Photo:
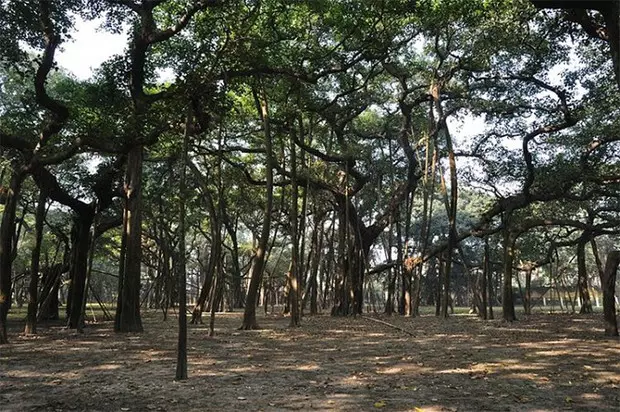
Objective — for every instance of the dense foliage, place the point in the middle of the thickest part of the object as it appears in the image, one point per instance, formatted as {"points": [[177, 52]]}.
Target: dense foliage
{"points": [[322, 155]]}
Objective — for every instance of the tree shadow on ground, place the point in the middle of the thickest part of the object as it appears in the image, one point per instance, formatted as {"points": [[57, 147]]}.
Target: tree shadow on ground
{"points": [[544, 362]]}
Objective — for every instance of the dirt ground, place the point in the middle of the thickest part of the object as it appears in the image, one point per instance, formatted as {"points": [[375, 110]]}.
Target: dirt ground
{"points": [[543, 362]]}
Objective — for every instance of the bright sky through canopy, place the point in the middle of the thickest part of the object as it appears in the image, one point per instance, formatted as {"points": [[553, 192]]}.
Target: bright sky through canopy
{"points": [[90, 46]]}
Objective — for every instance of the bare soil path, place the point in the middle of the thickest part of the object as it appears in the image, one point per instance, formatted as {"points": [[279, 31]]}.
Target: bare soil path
{"points": [[540, 363]]}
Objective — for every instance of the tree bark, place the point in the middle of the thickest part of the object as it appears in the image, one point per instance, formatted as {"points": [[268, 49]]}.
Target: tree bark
{"points": [[49, 302], [528, 292], [33, 288], [79, 267], [216, 247], [7, 230], [508, 307], [582, 277], [483, 283], [130, 320], [181, 370], [249, 314], [293, 276], [489, 275], [608, 283], [317, 245]]}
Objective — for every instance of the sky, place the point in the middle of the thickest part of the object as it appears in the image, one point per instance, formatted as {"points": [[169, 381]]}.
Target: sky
{"points": [[89, 47]]}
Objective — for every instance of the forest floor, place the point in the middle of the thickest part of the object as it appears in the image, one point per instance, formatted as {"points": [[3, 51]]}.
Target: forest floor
{"points": [[541, 362]]}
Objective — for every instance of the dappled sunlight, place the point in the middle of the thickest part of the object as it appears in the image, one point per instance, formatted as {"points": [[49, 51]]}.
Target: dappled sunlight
{"points": [[308, 367], [328, 363]]}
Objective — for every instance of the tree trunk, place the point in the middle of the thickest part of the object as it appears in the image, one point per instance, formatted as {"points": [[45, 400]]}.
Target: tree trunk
{"points": [[293, 276], [483, 283], [249, 314], [7, 230], [508, 306], [440, 273], [528, 292], [49, 302], [214, 257], [317, 247], [130, 320], [181, 370], [489, 274], [31, 317], [237, 292], [451, 202], [341, 300], [121, 273], [608, 282], [582, 278], [78, 268]]}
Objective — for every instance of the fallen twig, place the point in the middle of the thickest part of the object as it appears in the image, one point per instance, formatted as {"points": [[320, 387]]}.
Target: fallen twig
{"points": [[388, 324]]}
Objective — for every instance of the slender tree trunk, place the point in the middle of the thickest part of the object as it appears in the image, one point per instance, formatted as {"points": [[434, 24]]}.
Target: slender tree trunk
{"points": [[440, 274], [489, 275], [7, 230], [528, 292], [391, 280], [582, 278], [317, 247], [249, 314], [121, 273], [508, 306], [447, 272], [452, 201], [293, 275], [130, 320], [608, 282], [483, 312], [216, 247], [341, 301], [181, 371], [31, 317], [237, 292], [89, 267], [362, 249], [402, 254]]}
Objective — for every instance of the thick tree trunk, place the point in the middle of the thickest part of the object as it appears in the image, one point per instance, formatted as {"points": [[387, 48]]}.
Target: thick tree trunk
{"points": [[49, 302], [608, 282], [78, 268], [130, 320], [7, 230], [33, 288]]}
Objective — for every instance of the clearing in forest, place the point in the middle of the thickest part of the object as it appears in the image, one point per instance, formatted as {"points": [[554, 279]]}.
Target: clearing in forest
{"points": [[543, 362]]}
